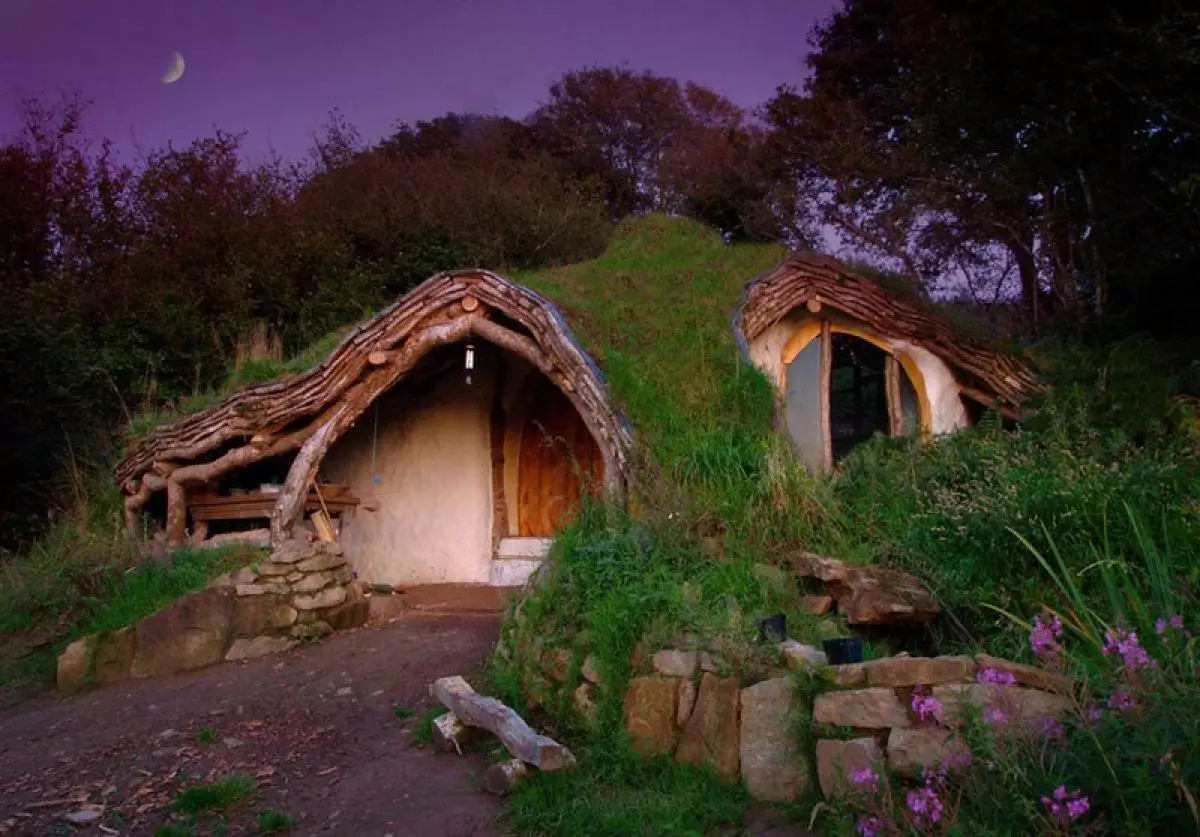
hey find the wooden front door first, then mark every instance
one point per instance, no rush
(557, 455)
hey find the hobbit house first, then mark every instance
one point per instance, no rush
(850, 359)
(447, 439)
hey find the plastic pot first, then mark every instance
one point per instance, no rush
(843, 649)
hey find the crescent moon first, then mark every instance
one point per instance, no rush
(175, 72)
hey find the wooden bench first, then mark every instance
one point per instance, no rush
(205, 507)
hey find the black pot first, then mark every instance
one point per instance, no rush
(844, 649)
(773, 628)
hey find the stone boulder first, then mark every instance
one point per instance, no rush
(1025, 675)
(772, 766)
(259, 646)
(114, 655)
(909, 750)
(837, 760)
(918, 671)
(255, 615)
(674, 663)
(711, 734)
(870, 595)
(1023, 709)
(75, 666)
(650, 714)
(191, 632)
(873, 708)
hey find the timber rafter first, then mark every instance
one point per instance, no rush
(811, 280)
(308, 412)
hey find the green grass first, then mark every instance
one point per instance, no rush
(422, 732)
(403, 713)
(218, 796)
(206, 735)
(271, 821)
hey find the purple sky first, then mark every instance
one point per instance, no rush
(275, 68)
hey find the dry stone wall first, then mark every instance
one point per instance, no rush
(304, 590)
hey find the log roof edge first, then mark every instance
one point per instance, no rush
(806, 276)
(276, 407)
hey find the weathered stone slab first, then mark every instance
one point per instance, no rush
(269, 570)
(1032, 676)
(313, 582)
(909, 750)
(312, 630)
(324, 561)
(650, 714)
(870, 595)
(476, 710)
(849, 674)
(329, 597)
(711, 734)
(675, 663)
(75, 665)
(816, 605)
(259, 646)
(353, 613)
(915, 671)
(293, 550)
(245, 575)
(1024, 708)
(798, 655)
(872, 708)
(114, 656)
(687, 700)
(837, 760)
(269, 588)
(191, 632)
(254, 615)
(772, 766)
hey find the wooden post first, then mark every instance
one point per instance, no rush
(176, 513)
(895, 404)
(826, 375)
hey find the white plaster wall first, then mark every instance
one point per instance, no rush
(434, 517)
(947, 413)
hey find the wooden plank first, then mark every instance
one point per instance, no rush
(892, 373)
(476, 710)
(324, 526)
(826, 375)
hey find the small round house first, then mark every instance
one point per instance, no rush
(850, 359)
(447, 439)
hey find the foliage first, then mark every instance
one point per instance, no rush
(271, 821)
(218, 796)
(1124, 758)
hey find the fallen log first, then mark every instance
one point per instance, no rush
(503, 777)
(476, 710)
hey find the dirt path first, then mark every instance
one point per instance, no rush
(316, 727)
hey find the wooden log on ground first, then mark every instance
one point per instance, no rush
(503, 777)
(476, 710)
(450, 734)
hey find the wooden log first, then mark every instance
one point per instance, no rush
(379, 358)
(501, 778)
(176, 513)
(199, 531)
(813, 305)
(476, 710)
(469, 303)
(324, 526)
(450, 734)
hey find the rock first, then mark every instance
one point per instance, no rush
(501, 778)
(772, 766)
(870, 595)
(254, 615)
(351, 614)
(711, 734)
(1023, 709)
(450, 735)
(84, 815)
(114, 656)
(75, 665)
(312, 630)
(273, 588)
(590, 670)
(908, 750)
(816, 605)
(269, 569)
(798, 655)
(329, 597)
(191, 632)
(849, 675)
(1032, 676)
(245, 575)
(342, 575)
(862, 708)
(687, 700)
(292, 578)
(293, 550)
(317, 563)
(329, 548)
(381, 589)
(556, 663)
(584, 698)
(916, 671)
(836, 760)
(313, 582)
(712, 663)
(675, 663)
(259, 646)
(650, 714)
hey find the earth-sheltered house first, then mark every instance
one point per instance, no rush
(444, 440)
(850, 359)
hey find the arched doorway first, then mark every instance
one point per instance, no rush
(841, 387)
(559, 459)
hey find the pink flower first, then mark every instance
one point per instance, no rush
(995, 716)
(1066, 806)
(962, 758)
(1044, 637)
(995, 677)
(1051, 728)
(1121, 701)
(1177, 623)
(1160, 626)
(925, 804)
(870, 827)
(864, 777)
(1125, 643)
(926, 707)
